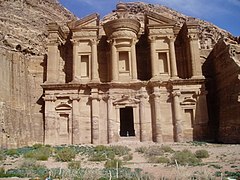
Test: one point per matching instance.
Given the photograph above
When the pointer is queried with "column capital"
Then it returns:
(74, 41)
(75, 97)
(94, 41)
(192, 37)
(111, 41)
(152, 39)
(171, 38)
(51, 98)
(134, 41)
(176, 93)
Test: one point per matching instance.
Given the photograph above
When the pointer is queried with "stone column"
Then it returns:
(95, 116)
(50, 134)
(173, 61)
(153, 57)
(53, 62)
(94, 69)
(76, 134)
(177, 116)
(114, 61)
(195, 56)
(157, 118)
(144, 123)
(134, 59)
(110, 119)
(76, 62)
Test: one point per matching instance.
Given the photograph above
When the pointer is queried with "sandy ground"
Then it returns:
(222, 158)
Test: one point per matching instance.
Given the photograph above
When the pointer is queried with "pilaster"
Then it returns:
(114, 62)
(95, 116)
(94, 69)
(76, 134)
(177, 116)
(75, 69)
(50, 134)
(145, 124)
(173, 62)
(134, 59)
(157, 115)
(195, 56)
(53, 62)
(154, 66)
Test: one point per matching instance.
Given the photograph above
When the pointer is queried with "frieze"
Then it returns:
(126, 100)
(161, 31)
(119, 34)
(85, 33)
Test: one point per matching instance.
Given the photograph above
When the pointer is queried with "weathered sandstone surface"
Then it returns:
(23, 38)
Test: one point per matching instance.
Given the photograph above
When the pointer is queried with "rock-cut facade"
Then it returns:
(125, 78)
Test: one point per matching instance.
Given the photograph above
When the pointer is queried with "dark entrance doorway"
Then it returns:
(126, 122)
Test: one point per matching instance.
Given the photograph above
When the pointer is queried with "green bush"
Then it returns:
(113, 163)
(185, 157)
(167, 149)
(202, 153)
(98, 157)
(120, 150)
(74, 165)
(159, 160)
(2, 155)
(2, 172)
(12, 153)
(29, 168)
(41, 153)
(154, 151)
(128, 157)
(65, 154)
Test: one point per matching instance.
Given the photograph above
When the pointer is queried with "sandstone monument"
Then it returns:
(142, 73)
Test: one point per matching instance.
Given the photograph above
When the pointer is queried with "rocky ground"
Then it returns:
(223, 162)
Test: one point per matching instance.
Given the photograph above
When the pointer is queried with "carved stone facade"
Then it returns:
(124, 79)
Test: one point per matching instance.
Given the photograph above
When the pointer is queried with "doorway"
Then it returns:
(126, 122)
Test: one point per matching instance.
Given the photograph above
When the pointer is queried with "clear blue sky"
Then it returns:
(223, 13)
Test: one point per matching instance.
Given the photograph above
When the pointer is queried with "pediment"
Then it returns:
(126, 100)
(188, 101)
(89, 21)
(63, 107)
(157, 19)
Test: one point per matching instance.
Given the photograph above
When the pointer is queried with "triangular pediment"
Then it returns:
(89, 21)
(157, 19)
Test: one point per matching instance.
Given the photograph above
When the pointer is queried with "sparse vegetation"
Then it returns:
(202, 153)
(113, 163)
(108, 157)
(159, 160)
(65, 154)
(2, 155)
(74, 165)
(185, 157)
(40, 153)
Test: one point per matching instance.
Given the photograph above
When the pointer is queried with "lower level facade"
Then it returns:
(139, 111)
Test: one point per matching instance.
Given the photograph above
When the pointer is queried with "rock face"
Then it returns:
(23, 23)
(23, 35)
(222, 69)
(23, 64)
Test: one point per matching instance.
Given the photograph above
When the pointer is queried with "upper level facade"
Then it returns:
(123, 48)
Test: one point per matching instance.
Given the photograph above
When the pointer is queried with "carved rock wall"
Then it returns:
(222, 69)
(20, 100)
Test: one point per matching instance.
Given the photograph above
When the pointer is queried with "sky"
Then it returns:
(223, 13)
